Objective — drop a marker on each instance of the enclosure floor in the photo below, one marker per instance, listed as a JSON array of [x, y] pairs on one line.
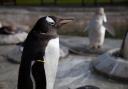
[[73, 71]]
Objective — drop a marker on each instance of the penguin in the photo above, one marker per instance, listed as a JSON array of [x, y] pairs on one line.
[[124, 47], [96, 29], [40, 55]]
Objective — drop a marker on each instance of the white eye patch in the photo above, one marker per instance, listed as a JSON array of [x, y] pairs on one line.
[[50, 20]]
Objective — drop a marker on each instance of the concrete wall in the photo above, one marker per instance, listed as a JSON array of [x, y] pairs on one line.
[[117, 17]]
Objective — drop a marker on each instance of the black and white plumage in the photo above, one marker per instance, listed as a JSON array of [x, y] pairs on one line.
[[124, 47], [41, 54]]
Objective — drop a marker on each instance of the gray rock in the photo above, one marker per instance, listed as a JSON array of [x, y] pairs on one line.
[[74, 72], [14, 55], [88, 87], [13, 38], [64, 51], [79, 45], [112, 66]]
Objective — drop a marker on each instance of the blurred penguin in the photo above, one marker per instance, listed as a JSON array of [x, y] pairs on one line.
[[97, 28]]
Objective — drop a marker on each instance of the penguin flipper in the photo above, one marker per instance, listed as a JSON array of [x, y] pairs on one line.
[[38, 74], [24, 80], [110, 29]]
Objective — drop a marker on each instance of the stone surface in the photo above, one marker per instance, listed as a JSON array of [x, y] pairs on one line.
[[64, 51], [88, 87], [14, 54], [73, 71], [79, 45], [111, 66], [13, 38]]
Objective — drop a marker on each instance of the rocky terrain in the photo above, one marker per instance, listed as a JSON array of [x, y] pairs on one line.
[[73, 71]]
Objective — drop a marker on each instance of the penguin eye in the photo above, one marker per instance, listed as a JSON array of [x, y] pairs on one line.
[[52, 23], [50, 20]]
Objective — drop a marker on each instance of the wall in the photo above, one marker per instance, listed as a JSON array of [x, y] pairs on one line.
[[117, 17]]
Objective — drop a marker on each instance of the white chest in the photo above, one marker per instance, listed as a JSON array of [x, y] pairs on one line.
[[51, 57], [96, 36], [52, 49]]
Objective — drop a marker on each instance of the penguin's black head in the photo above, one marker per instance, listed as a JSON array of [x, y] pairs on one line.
[[50, 24]]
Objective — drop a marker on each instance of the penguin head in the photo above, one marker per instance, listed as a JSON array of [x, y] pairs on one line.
[[100, 11], [50, 24]]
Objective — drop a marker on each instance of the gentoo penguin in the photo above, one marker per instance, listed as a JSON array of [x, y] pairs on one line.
[[96, 29], [41, 54], [124, 47]]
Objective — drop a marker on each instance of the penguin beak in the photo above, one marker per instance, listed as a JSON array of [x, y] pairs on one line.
[[62, 21]]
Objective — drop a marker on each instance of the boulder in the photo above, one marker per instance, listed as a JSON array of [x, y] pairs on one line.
[[64, 51], [88, 87], [12, 38], [14, 55], [111, 65]]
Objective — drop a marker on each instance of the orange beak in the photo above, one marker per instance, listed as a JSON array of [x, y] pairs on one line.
[[62, 21]]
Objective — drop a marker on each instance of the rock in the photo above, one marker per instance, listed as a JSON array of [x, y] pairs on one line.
[[14, 55], [23, 27], [13, 38], [111, 66], [79, 45], [85, 50], [3, 85], [88, 87], [63, 51]]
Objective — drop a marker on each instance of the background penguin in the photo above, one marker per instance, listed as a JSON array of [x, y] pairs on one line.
[[124, 47], [96, 29], [41, 54]]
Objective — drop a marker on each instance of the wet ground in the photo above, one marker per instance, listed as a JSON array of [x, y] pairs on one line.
[[73, 71]]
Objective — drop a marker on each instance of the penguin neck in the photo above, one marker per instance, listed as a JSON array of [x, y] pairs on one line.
[[48, 35]]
